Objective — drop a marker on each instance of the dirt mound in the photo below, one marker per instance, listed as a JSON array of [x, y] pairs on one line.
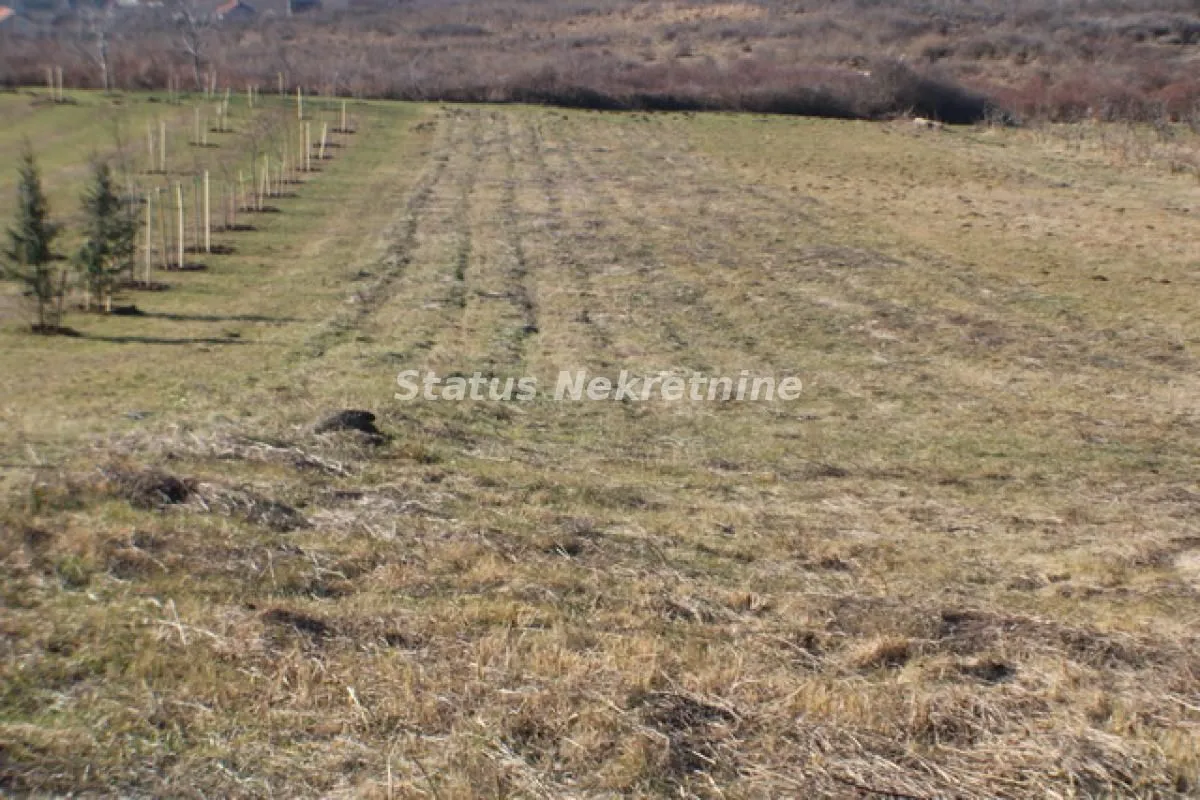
[[148, 488], [350, 420], [305, 624]]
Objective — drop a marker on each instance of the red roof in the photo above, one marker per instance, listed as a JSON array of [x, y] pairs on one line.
[[225, 9], [5, 13]]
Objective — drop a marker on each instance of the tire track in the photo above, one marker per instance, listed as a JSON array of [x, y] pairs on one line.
[[518, 275], [963, 306], [664, 308], [580, 330], [402, 236], [498, 312], [425, 310]]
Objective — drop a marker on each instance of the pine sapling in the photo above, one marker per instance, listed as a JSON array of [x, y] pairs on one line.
[[111, 230], [29, 257]]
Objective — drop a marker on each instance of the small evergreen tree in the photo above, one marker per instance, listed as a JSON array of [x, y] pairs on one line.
[[29, 257], [111, 237], [125, 243]]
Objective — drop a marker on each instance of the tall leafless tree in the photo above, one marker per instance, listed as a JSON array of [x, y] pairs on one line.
[[192, 22], [96, 26]]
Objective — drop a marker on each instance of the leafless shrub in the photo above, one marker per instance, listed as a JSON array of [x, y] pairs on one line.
[[1110, 59]]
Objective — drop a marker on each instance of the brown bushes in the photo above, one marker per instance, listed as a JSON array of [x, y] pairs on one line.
[[1105, 95], [845, 58]]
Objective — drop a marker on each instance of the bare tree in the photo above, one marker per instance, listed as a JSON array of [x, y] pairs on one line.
[[96, 26], [192, 23]]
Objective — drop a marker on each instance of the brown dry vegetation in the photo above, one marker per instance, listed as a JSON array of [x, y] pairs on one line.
[[951, 60], [964, 564]]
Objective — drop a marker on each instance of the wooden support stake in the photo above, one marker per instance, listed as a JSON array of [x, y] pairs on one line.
[[162, 230], [344, 128], [196, 125], [179, 205], [308, 147], [50, 81], [196, 214], [59, 75], [324, 134], [149, 235], [299, 103], [258, 189], [279, 75], [150, 147], [207, 217], [162, 146]]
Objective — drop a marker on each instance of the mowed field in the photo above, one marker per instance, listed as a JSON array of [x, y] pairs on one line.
[[964, 563]]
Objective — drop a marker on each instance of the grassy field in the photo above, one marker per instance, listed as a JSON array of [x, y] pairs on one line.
[[965, 563]]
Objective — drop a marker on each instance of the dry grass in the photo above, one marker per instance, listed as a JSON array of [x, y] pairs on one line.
[[962, 565]]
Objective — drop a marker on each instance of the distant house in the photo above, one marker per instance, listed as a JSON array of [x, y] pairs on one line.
[[7, 16], [235, 11], [287, 8]]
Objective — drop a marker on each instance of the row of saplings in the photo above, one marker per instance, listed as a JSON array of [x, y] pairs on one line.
[[101, 264]]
